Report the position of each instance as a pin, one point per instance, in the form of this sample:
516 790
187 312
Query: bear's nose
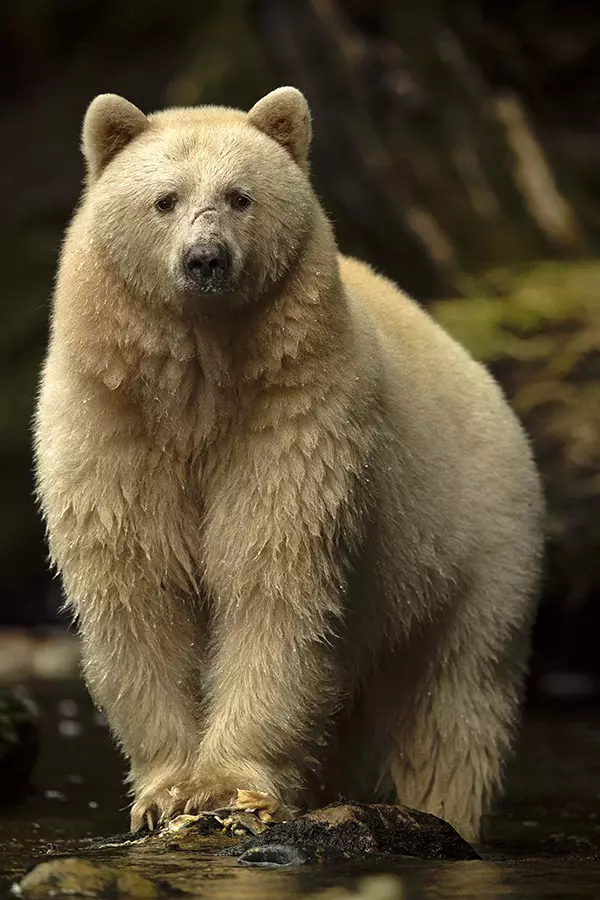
207 263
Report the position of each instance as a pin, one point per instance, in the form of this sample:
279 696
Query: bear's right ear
110 123
284 116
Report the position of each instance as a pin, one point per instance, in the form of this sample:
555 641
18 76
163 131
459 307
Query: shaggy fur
298 525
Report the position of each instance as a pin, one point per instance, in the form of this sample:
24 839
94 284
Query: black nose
207 263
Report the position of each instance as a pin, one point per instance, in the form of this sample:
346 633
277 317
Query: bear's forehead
207 145
198 116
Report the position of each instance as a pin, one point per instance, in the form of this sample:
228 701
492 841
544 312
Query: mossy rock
84 878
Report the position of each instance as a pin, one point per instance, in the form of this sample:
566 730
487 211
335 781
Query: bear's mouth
209 287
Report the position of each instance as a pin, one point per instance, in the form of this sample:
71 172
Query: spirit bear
298 526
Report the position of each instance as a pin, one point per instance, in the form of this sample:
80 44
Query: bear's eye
166 202
239 200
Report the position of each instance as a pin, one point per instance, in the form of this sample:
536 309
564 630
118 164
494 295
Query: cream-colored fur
298 526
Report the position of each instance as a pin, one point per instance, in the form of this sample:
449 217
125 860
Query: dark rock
19 746
358 830
292 855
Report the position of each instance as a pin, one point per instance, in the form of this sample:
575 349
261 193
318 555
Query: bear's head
206 207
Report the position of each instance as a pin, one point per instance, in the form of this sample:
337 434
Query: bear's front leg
141 659
273 678
273 686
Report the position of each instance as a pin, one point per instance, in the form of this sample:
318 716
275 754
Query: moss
537 328
526 302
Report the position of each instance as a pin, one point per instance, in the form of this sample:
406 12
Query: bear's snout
207 265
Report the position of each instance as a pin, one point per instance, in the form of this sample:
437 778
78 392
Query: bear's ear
110 123
284 115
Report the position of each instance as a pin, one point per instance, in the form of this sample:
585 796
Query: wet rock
358 830
83 878
117 840
190 832
19 745
292 855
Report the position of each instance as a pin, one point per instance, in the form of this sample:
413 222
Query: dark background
457 148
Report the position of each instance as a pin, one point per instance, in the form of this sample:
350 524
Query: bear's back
435 396
415 348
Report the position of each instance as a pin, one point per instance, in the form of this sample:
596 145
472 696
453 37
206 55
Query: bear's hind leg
454 728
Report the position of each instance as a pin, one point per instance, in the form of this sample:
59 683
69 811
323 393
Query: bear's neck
168 368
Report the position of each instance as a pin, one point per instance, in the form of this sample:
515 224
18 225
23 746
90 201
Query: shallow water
544 842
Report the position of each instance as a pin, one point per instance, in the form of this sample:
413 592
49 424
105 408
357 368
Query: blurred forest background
457 147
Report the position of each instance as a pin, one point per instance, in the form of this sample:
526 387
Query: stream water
543 842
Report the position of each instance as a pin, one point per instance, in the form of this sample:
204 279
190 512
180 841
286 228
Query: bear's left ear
284 115
110 123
